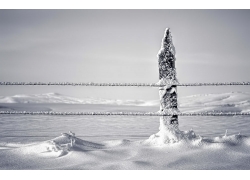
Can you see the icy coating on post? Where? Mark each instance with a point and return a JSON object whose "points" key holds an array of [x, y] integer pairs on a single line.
{"points": [[169, 131]]}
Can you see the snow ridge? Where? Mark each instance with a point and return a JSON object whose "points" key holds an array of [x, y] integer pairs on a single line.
{"points": [[59, 98]]}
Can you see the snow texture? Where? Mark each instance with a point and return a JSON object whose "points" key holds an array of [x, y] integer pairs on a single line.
{"points": [[191, 152], [59, 98], [186, 150]]}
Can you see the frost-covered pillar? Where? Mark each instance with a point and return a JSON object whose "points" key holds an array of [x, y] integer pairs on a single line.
{"points": [[167, 75], [169, 131]]}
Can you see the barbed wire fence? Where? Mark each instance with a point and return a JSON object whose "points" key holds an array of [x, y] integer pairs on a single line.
{"points": [[121, 84], [122, 113], [167, 89], [54, 113]]}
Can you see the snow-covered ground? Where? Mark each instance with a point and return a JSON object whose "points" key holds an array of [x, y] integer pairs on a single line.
{"points": [[59, 98], [118, 142]]}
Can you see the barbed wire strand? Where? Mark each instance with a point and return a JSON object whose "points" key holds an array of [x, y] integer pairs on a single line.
{"points": [[120, 84], [122, 113]]}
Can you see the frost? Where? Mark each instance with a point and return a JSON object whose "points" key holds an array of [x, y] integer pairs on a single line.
{"points": [[170, 136], [62, 148], [169, 131], [167, 82]]}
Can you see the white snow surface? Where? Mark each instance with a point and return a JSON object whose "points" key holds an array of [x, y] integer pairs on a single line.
{"points": [[225, 152], [124, 142], [226, 102], [231, 101], [59, 98]]}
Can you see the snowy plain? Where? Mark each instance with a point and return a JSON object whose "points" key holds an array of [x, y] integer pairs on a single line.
{"points": [[119, 142]]}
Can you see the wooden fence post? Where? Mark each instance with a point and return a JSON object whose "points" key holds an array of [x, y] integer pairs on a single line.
{"points": [[169, 131], [167, 75]]}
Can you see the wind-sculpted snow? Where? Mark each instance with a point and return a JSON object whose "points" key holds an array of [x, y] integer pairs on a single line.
{"points": [[191, 152], [231, 101], [59, 98], [226, 102]]}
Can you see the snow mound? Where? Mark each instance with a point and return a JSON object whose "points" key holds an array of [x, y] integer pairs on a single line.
{"points": [[224, 152]]}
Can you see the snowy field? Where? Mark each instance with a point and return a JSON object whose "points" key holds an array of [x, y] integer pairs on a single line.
{"points": [[119, 142]]}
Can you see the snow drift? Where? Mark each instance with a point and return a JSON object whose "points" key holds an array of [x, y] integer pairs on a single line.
{"points": [[225, 152], [59, 98], [223, 99]]}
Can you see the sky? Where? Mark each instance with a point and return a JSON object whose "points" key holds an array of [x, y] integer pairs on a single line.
{"points": [[121, 46]]}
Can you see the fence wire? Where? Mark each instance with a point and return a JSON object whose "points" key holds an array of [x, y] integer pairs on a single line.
{"points": [[54, 113], [120, 84]]}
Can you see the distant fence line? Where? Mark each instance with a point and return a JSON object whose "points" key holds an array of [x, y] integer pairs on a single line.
{"points": [[121, 84], [123, 113]]}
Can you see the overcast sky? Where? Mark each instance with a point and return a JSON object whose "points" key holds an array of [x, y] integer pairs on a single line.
{"points": [[121, 46]]}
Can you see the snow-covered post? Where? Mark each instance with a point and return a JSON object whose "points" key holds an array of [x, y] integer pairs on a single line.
{"points": [[169, 131], [167, 75]]}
